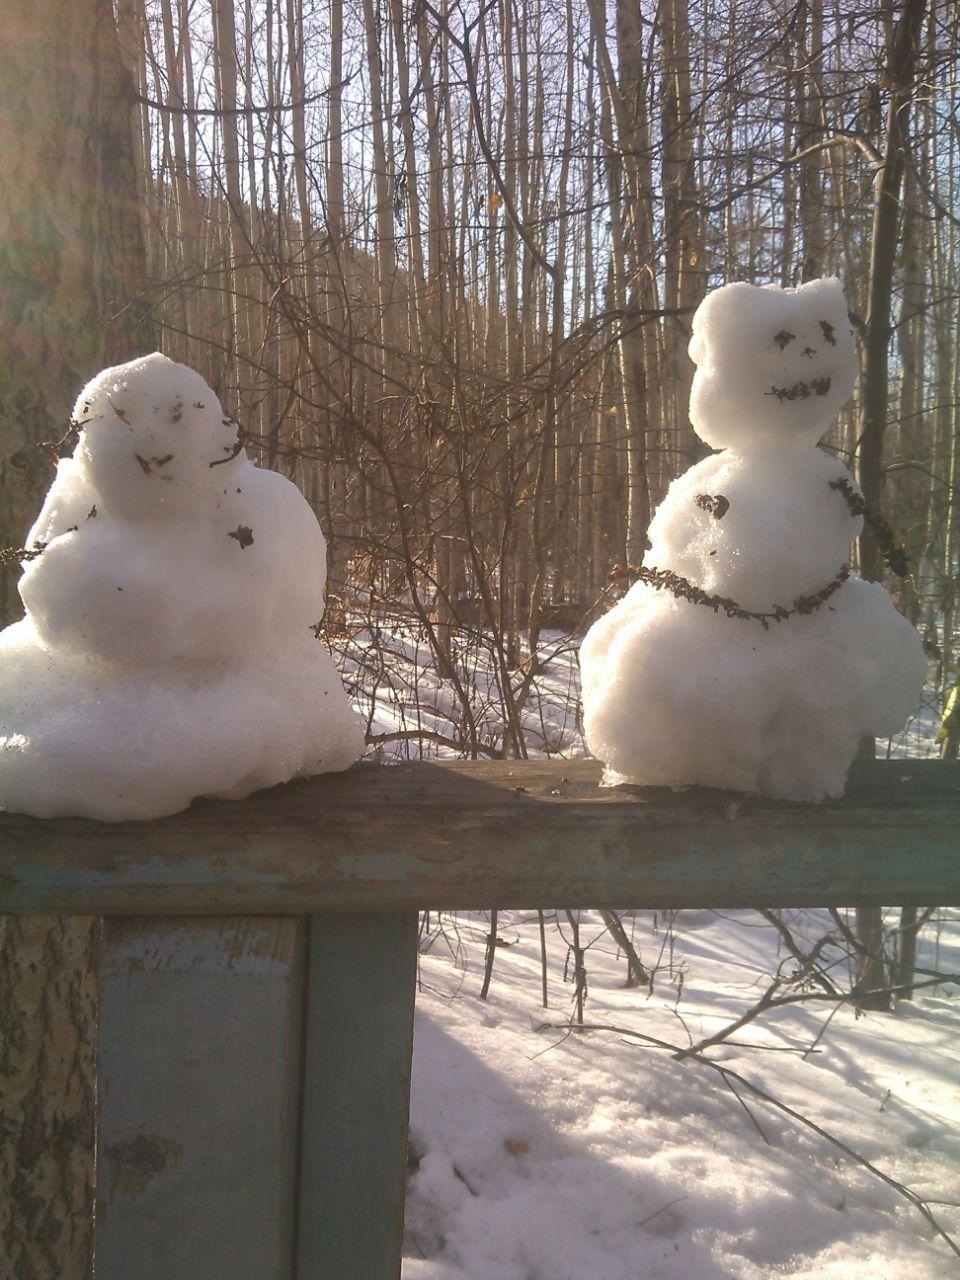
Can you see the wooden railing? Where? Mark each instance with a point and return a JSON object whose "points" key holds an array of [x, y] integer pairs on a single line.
{"points": [[256, 970]]}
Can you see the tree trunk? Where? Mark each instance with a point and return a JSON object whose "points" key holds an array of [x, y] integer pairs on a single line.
{"points": [[871, 969], [237, 342], [907, 949], [810, 129], [386, 240], [48, 1011], [624, 112], [71, 257], [874, 383], [70, 250], [684, 276]]}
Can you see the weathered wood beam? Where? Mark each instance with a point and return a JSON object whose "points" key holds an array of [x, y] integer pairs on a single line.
{"points": [[510, 834]]}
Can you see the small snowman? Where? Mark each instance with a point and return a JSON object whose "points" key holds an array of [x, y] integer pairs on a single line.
{"points": [[747, 656], [169, 648]]}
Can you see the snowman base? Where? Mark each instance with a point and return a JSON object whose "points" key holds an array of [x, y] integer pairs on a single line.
{"points": [[777, 712], [116, 745]]}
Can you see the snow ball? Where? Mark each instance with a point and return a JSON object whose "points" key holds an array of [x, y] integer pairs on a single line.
{"points": [[168, 649], [773, 365], [785, 531]]}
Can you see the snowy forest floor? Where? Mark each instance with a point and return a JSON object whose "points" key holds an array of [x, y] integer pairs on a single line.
{"points": [[546, 1154], [543, 1152]]}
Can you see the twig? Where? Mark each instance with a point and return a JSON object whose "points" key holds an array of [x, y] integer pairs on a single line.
{"points": [[918, 1202], [684, 589], [656, 1213]]}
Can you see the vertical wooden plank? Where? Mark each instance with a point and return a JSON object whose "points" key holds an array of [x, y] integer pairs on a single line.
{"points": [[361, 981], [48, 1019], [199, 1069]]}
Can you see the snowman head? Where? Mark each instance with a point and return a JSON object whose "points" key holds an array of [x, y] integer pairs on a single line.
{"points": [[152, 437], [773, 365]]}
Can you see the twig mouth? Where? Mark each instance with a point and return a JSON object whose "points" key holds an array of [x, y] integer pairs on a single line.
{"points": [[801, 390]]}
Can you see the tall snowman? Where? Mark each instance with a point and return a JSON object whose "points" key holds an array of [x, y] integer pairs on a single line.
{"points": [[169, 648], [747, 655]]}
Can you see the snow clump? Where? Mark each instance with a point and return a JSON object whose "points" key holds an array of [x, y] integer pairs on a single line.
{"points": [[168, 649], [678, 691]]}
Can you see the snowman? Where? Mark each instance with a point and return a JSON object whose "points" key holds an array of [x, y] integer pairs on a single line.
{"points": [[172, 591], [747, 656]]}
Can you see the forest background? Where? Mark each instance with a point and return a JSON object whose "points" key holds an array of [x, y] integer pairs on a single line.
{"points": [[439, 260]]}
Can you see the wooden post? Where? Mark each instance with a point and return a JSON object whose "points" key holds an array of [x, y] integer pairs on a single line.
{"points": [[198, 1092], [361, 982]]}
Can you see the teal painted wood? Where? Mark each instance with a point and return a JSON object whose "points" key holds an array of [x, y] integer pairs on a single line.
{"points": [[361, 980], [499, 834], [199, 1063]]}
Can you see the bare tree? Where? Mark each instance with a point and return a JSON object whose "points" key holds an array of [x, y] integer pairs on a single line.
{"points": [[70, 257]]}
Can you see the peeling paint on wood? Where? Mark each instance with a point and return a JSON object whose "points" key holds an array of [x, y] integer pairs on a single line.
{"points": [[198, 1090], [133, 1164], [255, 947]]}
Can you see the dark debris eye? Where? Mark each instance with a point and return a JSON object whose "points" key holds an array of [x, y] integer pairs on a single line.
{"points": [[829, 332], [715, 503], [783, 338]]}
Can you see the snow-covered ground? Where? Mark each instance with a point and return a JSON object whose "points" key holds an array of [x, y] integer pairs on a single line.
{"points": [[393, 677], [546, 1154]]}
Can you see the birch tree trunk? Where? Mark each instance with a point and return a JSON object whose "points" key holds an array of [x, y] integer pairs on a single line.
{"points": [[71, 256]]}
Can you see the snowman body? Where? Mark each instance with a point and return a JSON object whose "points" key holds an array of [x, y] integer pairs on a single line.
{"points": [[771, 690], [169, 648]]}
